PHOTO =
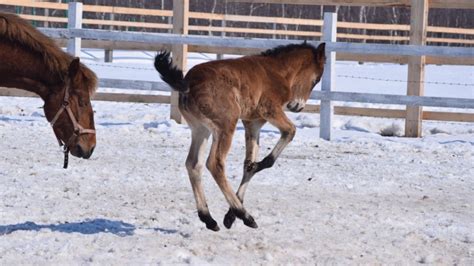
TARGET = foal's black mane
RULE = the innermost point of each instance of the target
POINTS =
(287, 48)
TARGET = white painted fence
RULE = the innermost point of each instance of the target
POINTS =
(74, 33)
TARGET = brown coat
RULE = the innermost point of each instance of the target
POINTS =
(255, 89)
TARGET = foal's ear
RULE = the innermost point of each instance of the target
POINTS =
(321, 52)
(74, 67)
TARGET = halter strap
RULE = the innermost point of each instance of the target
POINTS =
(78, 129)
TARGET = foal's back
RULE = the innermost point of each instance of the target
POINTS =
(247, 69)
(233, 85)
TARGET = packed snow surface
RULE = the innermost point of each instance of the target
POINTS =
(362, 198)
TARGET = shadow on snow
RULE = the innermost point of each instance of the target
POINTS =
(87, 227)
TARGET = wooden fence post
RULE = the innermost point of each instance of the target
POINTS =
(416, 66)
(46, 14)
(109, 53)
(179, 51)
(221, 56)
(74, 21)
(328, 81)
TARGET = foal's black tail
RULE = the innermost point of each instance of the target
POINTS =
(169, 73)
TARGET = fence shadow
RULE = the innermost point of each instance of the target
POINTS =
(86, 227)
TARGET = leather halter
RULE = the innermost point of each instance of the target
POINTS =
(78, 129)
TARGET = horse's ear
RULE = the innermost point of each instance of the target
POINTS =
(321, 52)
(74, 67)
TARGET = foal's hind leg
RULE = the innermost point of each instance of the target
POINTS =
(195, 165)
(252, 133)
(222, 139)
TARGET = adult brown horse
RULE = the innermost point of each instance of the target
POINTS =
(31, 61)
(256, 89)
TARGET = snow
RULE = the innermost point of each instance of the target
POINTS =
(360, 199)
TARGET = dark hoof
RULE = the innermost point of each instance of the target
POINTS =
(207, 219)
(229, 219)
(214, 227)
(250, 222)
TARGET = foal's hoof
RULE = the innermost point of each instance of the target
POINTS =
(229, 219)
(212, 225)
(248, 219)
(207, 219)
(214, 228)
(250, 222)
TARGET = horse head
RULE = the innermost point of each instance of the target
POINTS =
(70, 113)
(309, 74)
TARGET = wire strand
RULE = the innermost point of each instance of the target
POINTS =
(409, 81)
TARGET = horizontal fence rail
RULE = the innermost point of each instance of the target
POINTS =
(318, 95)
(234, 42)
(387, 3)
(309, 108)
(134, 84)
(394, 99)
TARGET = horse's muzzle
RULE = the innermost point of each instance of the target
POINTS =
(80, 152)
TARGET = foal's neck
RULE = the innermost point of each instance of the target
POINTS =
(290, 65)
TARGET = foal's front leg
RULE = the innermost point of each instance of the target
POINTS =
(252, 132)
(287, 131)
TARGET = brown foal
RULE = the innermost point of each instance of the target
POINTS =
(255, 89)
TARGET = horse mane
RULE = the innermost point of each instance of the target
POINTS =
(19, 31)
(283, 49)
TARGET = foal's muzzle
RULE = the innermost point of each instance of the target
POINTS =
(295, 106)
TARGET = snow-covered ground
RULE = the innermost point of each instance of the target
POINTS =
(359, 199)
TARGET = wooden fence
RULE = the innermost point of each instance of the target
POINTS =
(309, 29)
(415, 54)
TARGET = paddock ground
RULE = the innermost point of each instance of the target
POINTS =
(361, 198)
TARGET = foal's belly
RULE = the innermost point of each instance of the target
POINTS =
(248, 110)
